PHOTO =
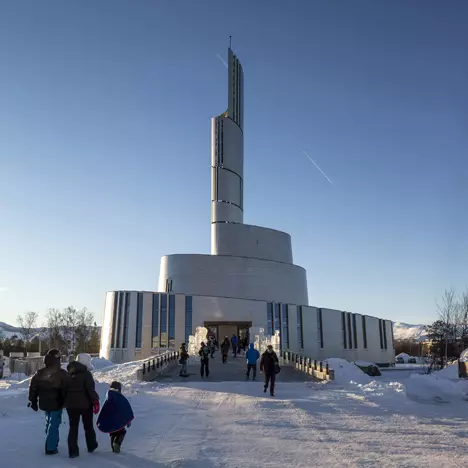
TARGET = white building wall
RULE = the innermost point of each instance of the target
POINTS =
(223, 309)
(244, 240)
(106, 331)
(234, 277)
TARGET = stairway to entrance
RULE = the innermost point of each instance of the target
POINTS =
(232, 371)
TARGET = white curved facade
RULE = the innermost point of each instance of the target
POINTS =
(244, 240)
(238, 277)
(249, 280)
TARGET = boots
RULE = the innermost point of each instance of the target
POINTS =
(117, 439)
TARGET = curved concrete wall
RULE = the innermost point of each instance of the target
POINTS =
(241, 277)
(227, 169)
(244, 240)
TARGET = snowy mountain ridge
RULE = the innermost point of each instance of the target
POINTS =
(406, 331)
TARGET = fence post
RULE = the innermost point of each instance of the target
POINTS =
(321, 366)
(327, 369)
(144, 369)
(154, 364)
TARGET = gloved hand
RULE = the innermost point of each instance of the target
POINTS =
(33, 405)
(129, 424)
(96, 407)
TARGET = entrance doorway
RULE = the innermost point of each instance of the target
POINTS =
(221, 329)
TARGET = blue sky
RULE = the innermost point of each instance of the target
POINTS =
(105, 114)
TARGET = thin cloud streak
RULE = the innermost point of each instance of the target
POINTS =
(222, 60)
(317, 166)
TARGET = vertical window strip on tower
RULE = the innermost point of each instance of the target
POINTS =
(119, 321)
(222, 143)
(114, 319)
(125, 321)
(163, 322)
(139, 321)
(384, 328)
(285, 331)
(188, 318)
(172, 321)
(155, 322)
(380, 334)
(277, 322)
(300, 336)
(270, 329)
(355, 332)
(350, 335)
(364, 332)
(320, 327)
(343, 326)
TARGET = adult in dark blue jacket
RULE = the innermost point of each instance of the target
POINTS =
(252, 356)
(234, 344)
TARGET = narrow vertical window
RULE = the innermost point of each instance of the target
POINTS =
(391, 331)
(155, 322)
(320, 327)
(285, 331)
(277, 322)
(270, 330)
(114, 318)
(343, 326)
(163, 322)
(119, 320)
(350, 334)
(188, 318)
(384, 328)
(172, 321)
(355, 332)
(139, 320)
(364, 332)
(300, 336)
(380, 334)
(125, 320)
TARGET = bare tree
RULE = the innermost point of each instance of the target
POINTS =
(28, 326)
(70, 317)
(53, 330)
(447, 315)
(84, 330)
(462, 320)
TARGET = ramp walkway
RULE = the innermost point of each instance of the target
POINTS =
(233, 370)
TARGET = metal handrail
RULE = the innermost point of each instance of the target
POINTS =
(159, 361)
(306, 361)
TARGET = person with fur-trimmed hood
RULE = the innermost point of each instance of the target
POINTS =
(47, 393)
(116, 415)
(81, 402)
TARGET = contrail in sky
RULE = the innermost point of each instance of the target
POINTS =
(317, 166)
(222, 60)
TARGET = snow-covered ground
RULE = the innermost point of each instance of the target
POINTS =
(400, 419)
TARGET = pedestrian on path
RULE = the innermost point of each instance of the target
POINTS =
(204, 360)
(269, 365)
(225, 345)
(234, 344)
(48, 386)
(116, 416)
(183, 360)
(252, 356)
(81, 402)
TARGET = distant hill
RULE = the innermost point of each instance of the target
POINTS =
(405, 331)
(8, 330)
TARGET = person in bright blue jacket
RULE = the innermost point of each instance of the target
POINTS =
(252, 356)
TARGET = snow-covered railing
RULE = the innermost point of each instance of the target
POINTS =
(318, 369)
(152, 366)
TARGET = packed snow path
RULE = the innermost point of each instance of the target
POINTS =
(232, 371)
(234, 424)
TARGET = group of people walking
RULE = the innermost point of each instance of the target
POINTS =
(53, 389)
(269, 362)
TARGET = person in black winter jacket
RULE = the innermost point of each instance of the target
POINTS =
(269, 365)
(48, 386)
(81, 401)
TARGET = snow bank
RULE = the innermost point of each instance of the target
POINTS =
(101, 363)
(347, 373)
(449, 372)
